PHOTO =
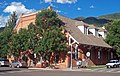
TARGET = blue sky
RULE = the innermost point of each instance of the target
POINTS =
(69, 8)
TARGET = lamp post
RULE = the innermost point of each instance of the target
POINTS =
(71, 58)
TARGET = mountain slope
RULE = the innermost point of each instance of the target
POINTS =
(99, 21)
(110, 16)
(94, 21)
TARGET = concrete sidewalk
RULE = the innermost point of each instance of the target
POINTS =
(67, 69)
(112, 70)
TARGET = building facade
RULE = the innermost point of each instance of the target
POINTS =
(85, 42)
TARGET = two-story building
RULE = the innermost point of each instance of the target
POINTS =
(84, 42)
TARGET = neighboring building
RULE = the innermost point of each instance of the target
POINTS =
(102, 32)
(83, 41)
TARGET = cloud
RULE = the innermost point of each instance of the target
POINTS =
(58, 11)
(18, 7)
(14, 6)
(3, 20)
(66, 1)
(48, 1)
(61, 1)
(92, 6)
(78, 8)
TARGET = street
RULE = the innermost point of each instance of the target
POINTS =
(26, 72)
(59, 73)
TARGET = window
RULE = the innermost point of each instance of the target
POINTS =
(108, 55)
(89, 32)
(99, 35)
(85, 30)
(76, 54)
(111, 55)
(99, 54)
(56, 58)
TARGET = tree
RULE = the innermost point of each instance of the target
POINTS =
(113, 37)
(52, 38)
(6, 35)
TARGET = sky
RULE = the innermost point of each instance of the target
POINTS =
(69, 8)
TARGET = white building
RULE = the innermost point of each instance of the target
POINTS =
(91, 29)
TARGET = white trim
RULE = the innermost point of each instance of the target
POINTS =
(75, 41)
(29, 14)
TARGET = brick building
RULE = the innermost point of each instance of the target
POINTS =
(84, 41)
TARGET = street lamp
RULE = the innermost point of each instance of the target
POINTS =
(71, 58)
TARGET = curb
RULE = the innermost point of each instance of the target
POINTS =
(60, 69)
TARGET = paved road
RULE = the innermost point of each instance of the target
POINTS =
(6, 71)
(111, 70)
(58, 73)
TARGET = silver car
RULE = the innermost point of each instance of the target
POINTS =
(4, 62)
(113, 64)
(18, 64)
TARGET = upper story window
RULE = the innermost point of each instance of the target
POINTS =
(99, 35)
(85, 30)
(89, 32)
(82, 27)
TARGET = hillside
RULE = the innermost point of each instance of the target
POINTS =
(94, 20)
(99, 21)
(110, 16)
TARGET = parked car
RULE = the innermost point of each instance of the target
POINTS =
(113, 64)
(18, 64)
(4, 62)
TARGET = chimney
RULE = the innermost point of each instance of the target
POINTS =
(50, 7)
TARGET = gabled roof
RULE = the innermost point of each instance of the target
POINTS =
(71, 27)
(81, 23)
(100, 29)
(92, 27)
(79, 36)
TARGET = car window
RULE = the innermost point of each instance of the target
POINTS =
(114, 61)
(2, 59)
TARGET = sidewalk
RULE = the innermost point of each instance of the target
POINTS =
(67, 69)
(112, 70)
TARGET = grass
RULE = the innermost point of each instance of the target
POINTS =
(96, 67)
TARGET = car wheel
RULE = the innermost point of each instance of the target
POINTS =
(118, 66)
(10, 66)
(108, 67)
(115, 66)
(18, 66)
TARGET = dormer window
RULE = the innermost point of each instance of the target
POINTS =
(99, 35)
(93, 30)
(90, 32)
(82, 27)
(102, 32)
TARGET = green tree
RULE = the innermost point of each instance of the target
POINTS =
(50, 32)
(25, 39)
(113, 37)
(5, 36)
